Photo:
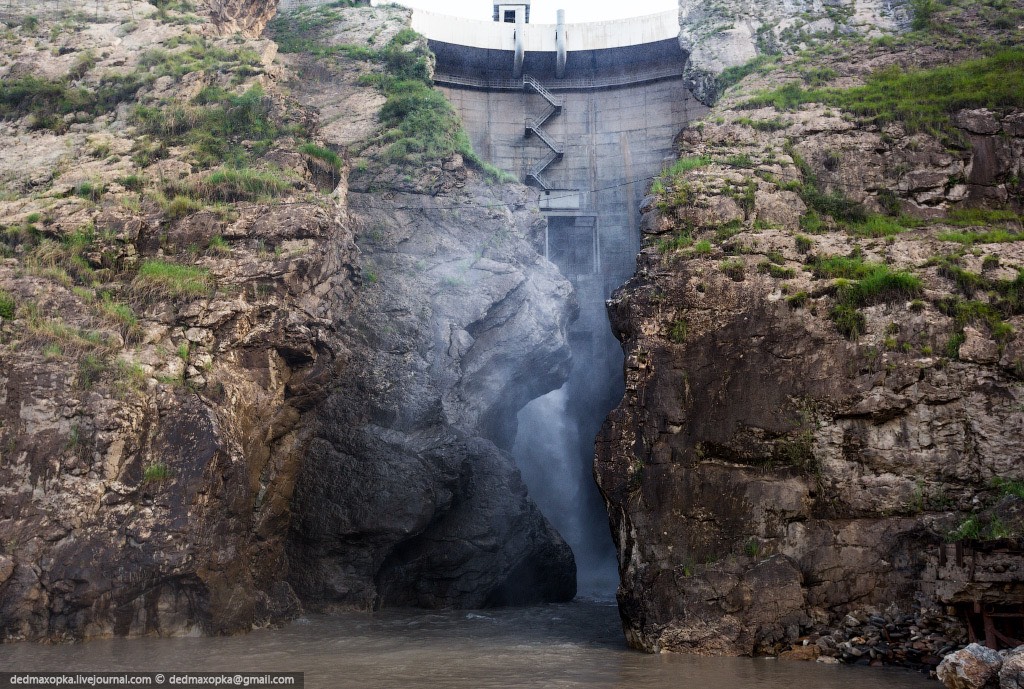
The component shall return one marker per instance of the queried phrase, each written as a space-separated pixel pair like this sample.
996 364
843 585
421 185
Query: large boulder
1011 675
974 667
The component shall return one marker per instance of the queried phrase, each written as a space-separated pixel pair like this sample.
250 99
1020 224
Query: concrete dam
587 114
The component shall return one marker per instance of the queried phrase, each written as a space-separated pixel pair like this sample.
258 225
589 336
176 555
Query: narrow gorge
313 314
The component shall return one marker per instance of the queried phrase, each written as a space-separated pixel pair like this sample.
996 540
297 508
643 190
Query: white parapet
490 35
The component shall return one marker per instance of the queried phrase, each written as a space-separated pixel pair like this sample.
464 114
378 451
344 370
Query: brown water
554 647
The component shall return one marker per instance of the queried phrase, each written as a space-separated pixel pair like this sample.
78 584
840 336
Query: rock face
151 430
773 466
733 32
460 326
265 411
409 495
1011 673
246 17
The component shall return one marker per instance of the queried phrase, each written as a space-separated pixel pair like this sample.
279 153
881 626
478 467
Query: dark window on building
510 16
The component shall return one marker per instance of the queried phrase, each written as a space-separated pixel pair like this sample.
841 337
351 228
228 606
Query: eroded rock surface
460 324
210 400
780 457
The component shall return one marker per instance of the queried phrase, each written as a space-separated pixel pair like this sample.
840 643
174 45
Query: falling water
554 447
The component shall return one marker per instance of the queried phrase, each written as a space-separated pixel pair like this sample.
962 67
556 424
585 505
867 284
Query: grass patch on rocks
922 100
158 278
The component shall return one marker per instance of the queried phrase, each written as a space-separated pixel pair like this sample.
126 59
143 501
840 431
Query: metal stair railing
535 126
536 171
530 82
562 84
538 122
543 136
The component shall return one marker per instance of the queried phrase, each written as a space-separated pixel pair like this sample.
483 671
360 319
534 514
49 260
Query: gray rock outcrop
731 33
409 496
766 444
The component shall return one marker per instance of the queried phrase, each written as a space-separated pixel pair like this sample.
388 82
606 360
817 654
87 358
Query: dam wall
614 140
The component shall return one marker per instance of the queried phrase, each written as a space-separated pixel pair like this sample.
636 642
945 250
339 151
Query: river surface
573 645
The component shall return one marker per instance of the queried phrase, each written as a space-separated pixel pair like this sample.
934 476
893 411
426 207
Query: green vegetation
675 242
304 30
735 268
420 124
733 75
238 184
219 127
325 154
7 305
128 378
859 284
158 278
200 55
218 245
60 260
1005 300
91 191
132 182
875 225
156 472
1006 296
49 101
849 321
687 164
1008 487
987 526
776 271
773 125
702 248
821 202
804 244
816 76
53 331
180 206
923 13
981 217
121 315
740 160
797 300
981 528
922 100
677 333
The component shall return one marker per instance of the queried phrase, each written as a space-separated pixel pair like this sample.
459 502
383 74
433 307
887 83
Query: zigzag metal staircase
535 126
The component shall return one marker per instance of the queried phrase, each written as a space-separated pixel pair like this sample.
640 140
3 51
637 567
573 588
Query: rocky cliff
824 372
245 17
727 35
212 401
408 495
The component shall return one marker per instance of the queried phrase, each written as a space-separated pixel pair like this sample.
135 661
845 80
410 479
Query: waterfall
554 450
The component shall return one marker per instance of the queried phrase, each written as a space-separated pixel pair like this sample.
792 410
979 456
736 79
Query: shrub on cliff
218 126
860 283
